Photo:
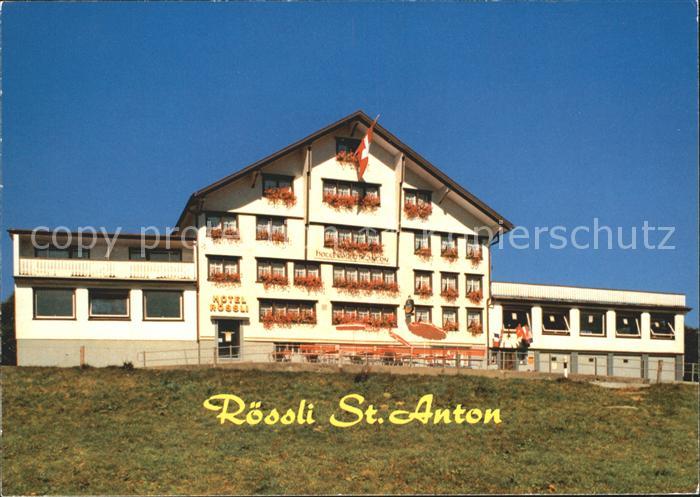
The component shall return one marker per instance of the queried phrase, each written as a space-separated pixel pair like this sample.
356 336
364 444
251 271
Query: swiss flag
362 152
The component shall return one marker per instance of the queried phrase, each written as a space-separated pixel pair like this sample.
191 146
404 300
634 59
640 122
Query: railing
321 354
123 270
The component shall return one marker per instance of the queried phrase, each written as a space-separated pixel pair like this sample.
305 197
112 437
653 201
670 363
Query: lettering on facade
234 304
331 255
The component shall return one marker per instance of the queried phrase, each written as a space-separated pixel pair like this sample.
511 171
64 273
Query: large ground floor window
162 304
54 303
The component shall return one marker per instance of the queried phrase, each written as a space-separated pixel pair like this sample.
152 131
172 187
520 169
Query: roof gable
357 117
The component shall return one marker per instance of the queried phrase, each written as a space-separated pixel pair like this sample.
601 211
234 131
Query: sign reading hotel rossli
228 304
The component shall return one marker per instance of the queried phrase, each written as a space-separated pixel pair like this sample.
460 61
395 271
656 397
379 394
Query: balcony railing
118 270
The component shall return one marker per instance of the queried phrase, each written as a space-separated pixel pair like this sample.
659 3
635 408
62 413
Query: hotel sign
330 255
228 304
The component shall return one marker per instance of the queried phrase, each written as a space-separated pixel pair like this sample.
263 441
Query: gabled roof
363 118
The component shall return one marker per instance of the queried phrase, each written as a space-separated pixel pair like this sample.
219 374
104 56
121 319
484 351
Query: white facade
219 272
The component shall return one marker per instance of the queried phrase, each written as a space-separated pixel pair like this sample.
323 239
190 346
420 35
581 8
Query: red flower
421 210
369 202
215 233
475 296
310 282
221 277
450 294
286 319
450 253
474 327
347 157
475 255
424 252
424 291
269 279
281 196
450 326
340 201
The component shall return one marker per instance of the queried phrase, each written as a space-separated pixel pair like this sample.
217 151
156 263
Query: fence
319 354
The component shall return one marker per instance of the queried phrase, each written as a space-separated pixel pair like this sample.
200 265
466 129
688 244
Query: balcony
96 269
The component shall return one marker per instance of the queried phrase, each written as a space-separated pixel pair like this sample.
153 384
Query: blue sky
552 113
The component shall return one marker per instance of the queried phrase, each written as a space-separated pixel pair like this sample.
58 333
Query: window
383 316
276 181
285 312
449 319
56 303
53 252
155 255
162 304
347 145
421 241
514 316
417 197
592 322
662 325
306 269
627 324
271 267
474 321
343 273
222 268
271 228
350 237
108 303
473 283
223 225
555 321
448 245
423 314
348 193
423 282
474 251
449 282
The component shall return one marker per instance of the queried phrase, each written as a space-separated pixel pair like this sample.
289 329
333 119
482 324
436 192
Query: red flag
362 152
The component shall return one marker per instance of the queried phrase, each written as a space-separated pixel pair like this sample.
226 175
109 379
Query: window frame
272 262
423 308
270 227
147 254
277 178
454 309
275 305
420 272
109 317
223 259
72 252
36 316
144 304
360 186
629 314
426 196
415 240
474 277
343 142
443 275
566 316
223 218
671 324
526 310
602 313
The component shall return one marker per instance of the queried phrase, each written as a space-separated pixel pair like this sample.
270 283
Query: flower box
475 327
370 322
424 291
450 253
215 233
359 247
309 282
338 201
424 252
286 319
366 286
475 296
450 294
274 237
221 277
231 233
269 279
369 202
475 255
414 210
347 157
281 196
450 326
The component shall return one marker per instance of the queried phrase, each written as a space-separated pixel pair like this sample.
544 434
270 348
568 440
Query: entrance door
229 338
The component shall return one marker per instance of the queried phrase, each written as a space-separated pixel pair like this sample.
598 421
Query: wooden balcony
100 269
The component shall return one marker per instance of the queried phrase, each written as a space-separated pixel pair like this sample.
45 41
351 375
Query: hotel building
294 257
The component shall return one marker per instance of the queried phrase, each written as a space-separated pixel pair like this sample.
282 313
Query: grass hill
116 431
